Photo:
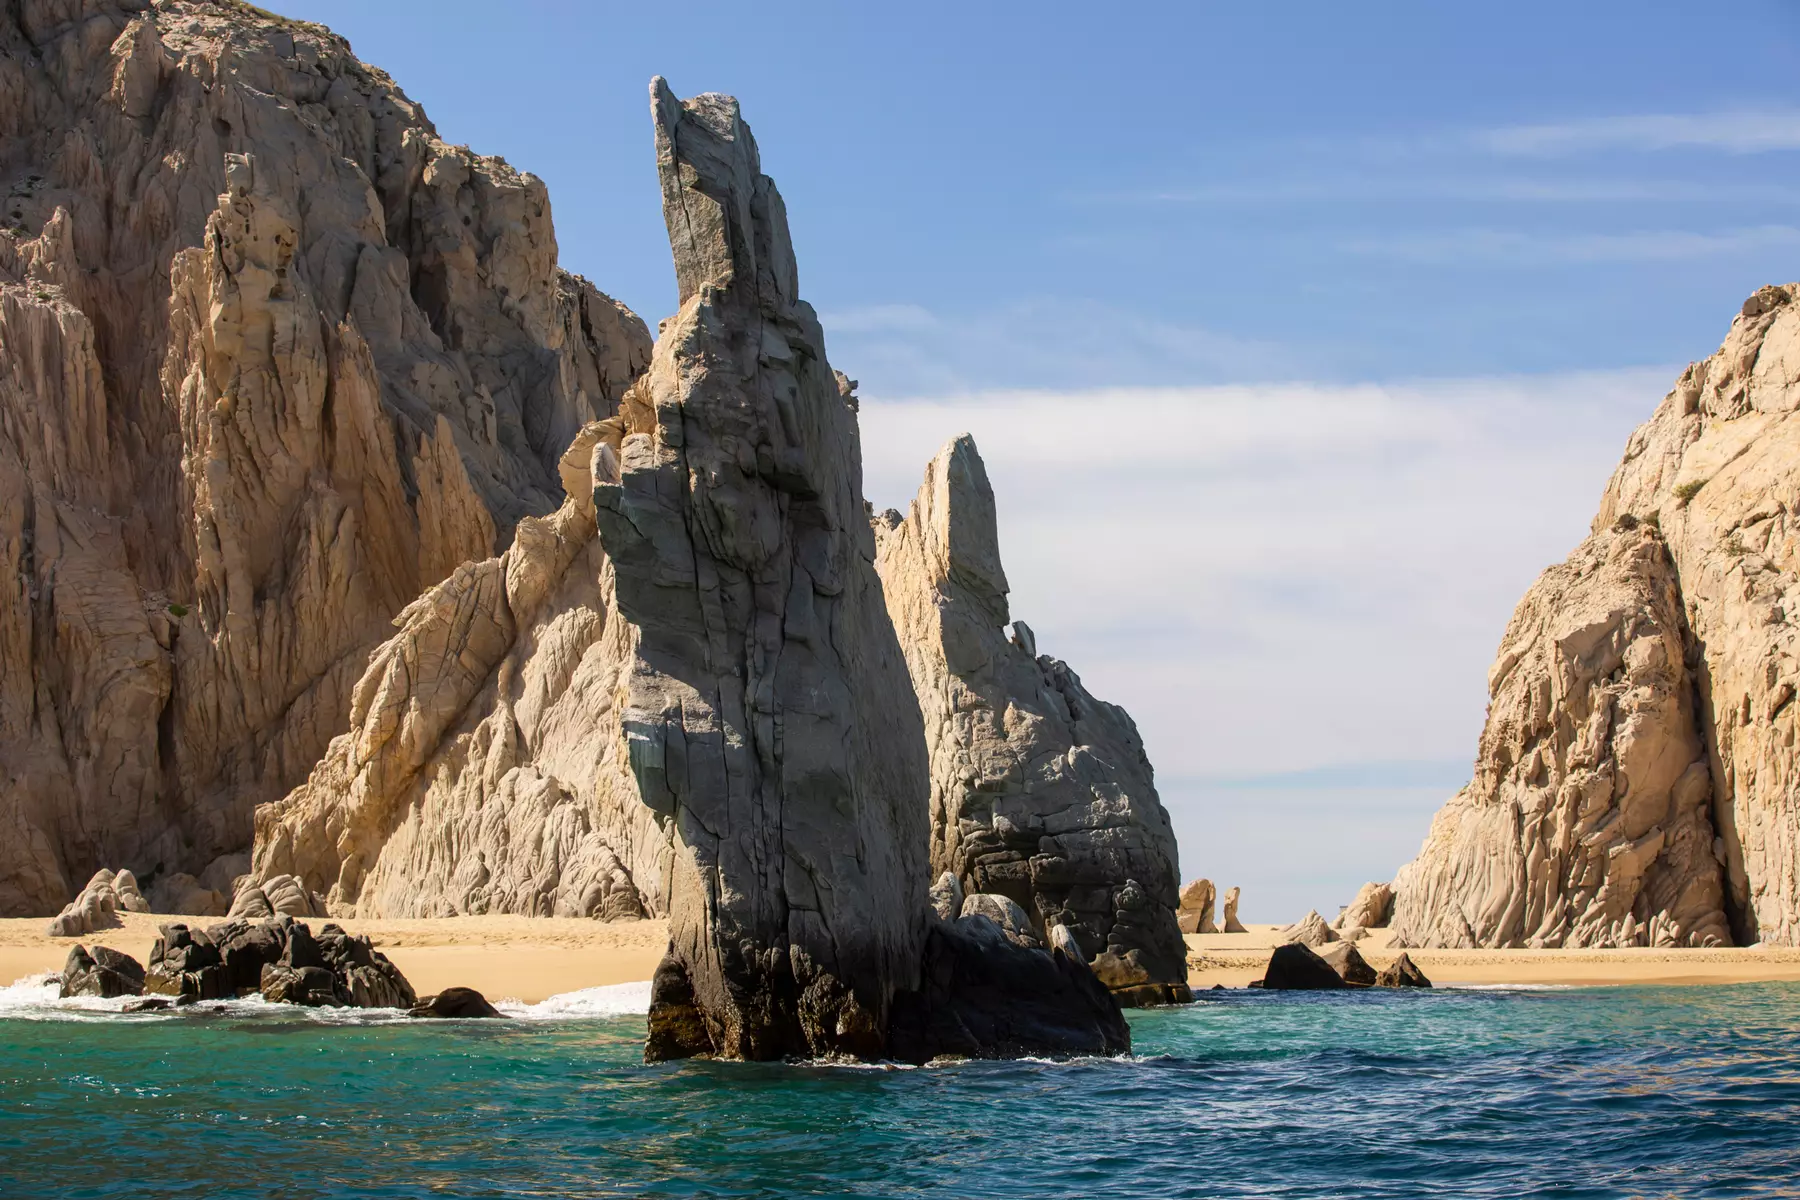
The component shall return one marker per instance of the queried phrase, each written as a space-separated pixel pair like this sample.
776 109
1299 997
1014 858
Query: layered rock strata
273 360
1588 822
767 714
1039 791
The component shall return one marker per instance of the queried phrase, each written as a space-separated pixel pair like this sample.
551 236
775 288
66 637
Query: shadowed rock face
274 359
768 715
1039 791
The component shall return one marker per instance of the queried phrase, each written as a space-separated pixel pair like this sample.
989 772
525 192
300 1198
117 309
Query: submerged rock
455 1002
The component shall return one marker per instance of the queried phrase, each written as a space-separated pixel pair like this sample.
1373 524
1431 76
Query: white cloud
1739 132
1275 578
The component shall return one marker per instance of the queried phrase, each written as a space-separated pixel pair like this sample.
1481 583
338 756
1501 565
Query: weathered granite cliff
1637 782
767 712
274 359
1039 792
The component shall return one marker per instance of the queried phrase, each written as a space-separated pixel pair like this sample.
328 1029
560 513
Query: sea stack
1040 792
1636 781
768 713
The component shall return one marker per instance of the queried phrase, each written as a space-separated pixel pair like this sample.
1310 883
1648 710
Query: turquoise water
1567 1093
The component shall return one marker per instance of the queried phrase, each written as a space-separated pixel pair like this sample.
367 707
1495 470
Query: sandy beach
530 959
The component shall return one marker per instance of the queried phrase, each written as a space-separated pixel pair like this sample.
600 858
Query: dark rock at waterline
677 1027
1402 973
314 987
981 996
455 1002
1295 967
1350 965
101 972
185 962
148 1004
245 948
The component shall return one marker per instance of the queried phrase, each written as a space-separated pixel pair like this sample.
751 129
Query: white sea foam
37 998
614 1000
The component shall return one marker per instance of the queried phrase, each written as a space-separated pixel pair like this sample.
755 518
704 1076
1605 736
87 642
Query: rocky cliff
767 712
1637 780
1039 792
274 359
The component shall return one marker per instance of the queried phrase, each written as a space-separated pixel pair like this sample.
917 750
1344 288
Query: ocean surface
1483 1092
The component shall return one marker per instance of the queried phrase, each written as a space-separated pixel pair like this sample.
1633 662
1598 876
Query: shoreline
530 959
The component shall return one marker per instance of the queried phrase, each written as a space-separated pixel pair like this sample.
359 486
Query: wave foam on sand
36 998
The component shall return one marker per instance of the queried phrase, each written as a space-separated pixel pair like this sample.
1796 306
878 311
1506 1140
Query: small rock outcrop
983 996
101 972
1004 912
97 907
1039 791
767 712
1230 922
1294 967
275 895
1402 973
1350 965
1194 913
1310 930
1589 820
1373 905
280 958
455 1003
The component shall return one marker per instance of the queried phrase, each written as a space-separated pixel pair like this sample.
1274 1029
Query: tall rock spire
768 716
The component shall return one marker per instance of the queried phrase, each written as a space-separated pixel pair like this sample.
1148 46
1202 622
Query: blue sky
1298 338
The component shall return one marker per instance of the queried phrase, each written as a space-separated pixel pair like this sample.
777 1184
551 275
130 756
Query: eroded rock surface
767 711
485 770
1039 791
1194 913
274 359
1588 822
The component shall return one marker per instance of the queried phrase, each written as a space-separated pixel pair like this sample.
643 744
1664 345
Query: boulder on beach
101 971
455 1002
1294 967
1373 905
1402 973
1310 930
96 908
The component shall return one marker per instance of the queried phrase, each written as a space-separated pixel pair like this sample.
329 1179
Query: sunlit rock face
1690 582
274 359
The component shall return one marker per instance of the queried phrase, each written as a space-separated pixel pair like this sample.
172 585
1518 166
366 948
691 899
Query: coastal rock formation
1402 973
1194 913
102 972
1230 922
281 958
1294 967
1348 962
1373 906
981 995
1588 822
1039 791
106 895
274 359
455 1003
485 769
1310 930
766 710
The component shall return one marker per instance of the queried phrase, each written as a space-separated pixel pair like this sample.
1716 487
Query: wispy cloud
1460 188
1748 131
1511 248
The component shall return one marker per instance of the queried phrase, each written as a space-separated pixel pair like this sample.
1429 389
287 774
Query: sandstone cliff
767 712
1039 792
274 359
1669 634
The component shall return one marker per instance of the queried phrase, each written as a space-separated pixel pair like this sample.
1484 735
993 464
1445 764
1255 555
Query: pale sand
522 958
530 959
1234 959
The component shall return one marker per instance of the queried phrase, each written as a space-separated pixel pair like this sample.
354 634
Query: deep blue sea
1493 1093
